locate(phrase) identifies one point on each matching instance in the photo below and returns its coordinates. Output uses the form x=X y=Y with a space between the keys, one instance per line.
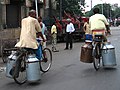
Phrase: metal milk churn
x=10 y=63
x=33 y=68
x=86 y=53
x=108 y=55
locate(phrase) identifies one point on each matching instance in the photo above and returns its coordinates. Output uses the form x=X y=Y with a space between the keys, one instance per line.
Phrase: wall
x=0 y=16
x=8 y=37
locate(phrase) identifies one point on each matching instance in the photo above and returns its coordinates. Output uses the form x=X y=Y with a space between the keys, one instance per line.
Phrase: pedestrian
x=54 y=37
x=88 y=32
x=44 y=30
x=69 y=38
x=99 y=24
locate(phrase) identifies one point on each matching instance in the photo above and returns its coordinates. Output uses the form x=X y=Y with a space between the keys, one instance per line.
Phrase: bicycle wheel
x=46 y=62
x=19 y=74
x=96 y=56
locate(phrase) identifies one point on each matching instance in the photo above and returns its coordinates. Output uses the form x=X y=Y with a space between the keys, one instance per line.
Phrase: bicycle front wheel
x=46 y=62
x=19 y=74
x=96 y=56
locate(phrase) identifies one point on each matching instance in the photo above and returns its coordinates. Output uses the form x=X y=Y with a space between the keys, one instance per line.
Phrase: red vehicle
x=78 y=24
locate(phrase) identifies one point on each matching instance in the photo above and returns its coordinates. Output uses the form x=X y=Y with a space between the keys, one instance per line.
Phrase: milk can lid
x=32 y=58
x=108 y=45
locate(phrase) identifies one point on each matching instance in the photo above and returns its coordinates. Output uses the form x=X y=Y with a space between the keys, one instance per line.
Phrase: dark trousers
x=69 y=40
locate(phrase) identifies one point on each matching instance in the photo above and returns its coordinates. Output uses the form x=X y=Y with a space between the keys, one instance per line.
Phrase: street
x=69 y=73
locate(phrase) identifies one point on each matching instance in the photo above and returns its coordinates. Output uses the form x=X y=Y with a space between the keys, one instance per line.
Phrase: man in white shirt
x=69 y=29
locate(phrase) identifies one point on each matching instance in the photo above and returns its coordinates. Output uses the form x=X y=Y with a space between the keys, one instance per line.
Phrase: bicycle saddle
x=98 y=38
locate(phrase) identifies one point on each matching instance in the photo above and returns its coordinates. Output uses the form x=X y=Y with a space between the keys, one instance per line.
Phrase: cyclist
x=99 y=24
x=30 y=26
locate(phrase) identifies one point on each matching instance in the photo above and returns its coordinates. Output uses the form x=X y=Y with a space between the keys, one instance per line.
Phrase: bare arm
x=39 y=31
x=40 y=34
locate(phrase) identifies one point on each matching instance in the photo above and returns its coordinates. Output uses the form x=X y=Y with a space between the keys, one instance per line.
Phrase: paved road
x=68 y=73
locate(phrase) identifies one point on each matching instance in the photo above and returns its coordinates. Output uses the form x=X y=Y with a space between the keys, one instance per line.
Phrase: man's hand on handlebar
x=40 y=34
x=108 y=32
x=44 y=40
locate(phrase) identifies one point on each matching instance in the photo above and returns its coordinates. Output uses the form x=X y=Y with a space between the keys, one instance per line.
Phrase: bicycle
x=18 y=71
x=6 y=47
x=97 y=50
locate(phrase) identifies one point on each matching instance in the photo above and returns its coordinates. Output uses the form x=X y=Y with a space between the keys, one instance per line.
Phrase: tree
x=110 y=11
x=72 y=6
x=117 y=12
x=104 y=9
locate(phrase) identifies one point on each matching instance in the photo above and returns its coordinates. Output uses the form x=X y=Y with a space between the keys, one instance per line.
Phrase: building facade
x=11 y=14
x=13 y=11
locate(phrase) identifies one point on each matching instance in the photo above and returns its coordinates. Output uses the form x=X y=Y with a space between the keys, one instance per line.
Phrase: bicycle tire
x=46 y=65
x=22 y=77
x=96 y=56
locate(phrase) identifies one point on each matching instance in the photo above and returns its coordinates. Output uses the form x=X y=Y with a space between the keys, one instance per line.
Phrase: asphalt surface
x=68 y=73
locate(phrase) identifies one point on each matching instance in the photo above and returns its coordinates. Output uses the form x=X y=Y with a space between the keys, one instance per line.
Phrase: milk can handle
x=26 y=62
x=106 y=50
x=11 y=58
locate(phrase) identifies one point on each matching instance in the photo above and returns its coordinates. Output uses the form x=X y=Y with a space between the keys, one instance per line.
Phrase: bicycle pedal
x=44 y=60
x=22 y=69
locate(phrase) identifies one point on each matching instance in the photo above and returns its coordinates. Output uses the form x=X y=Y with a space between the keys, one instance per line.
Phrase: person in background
x=99 y=24
x=54 y=37
x=88 y=32
x=44 y=30
x=69 y=30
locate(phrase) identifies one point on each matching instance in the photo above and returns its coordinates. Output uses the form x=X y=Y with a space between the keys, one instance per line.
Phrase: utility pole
x=50 y=10
x=60 y=9
x=102 y=6
x=91 y=4
x=36 y=6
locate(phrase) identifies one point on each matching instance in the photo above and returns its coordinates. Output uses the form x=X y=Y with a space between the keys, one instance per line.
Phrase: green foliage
x=117 y=12
x=71 y=6
x=88 y=14
x=107 y=10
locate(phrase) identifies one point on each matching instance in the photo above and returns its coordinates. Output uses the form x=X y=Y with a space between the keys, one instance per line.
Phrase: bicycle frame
x=19 y=66
x=97 y=47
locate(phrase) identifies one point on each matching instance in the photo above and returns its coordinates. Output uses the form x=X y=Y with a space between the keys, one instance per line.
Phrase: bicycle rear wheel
x=46 y=62
x=19 y=74
x=96 y=56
